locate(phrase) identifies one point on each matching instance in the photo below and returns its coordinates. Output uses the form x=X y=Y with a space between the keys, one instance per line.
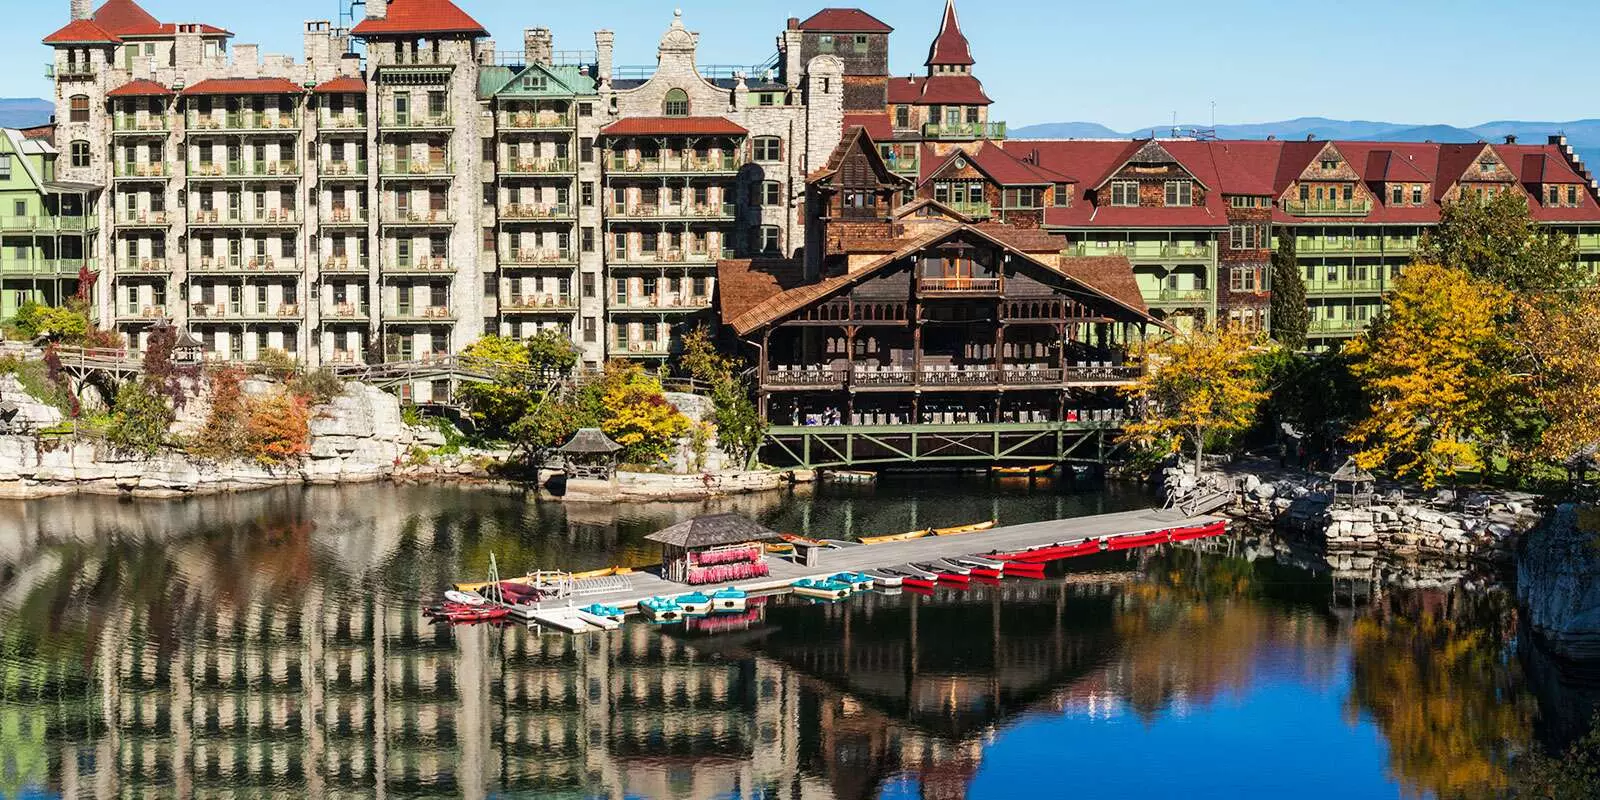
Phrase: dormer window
x=1180 y=193
x=1555 y=196
x=1125 y=193
x=1572 y=196
x=1330 y=164
x=1397 y=195
x=676 y=103
x=1416 y=195
x=1487 y=165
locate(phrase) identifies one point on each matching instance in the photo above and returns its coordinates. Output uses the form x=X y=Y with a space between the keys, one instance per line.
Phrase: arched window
x=80 y=153
x=80 y=108
x=677 y=103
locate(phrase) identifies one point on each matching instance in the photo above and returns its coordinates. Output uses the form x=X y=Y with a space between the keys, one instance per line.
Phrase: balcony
x=420 y=314
x=48 y=224
x=1338 y=326
x=669 y=165
x=242 y=122
x=344 y=218
x=538 y=258
x=69 y=71
x=535 y=120
x=1144 y=251
x=66 y=267
x=977 y=210
x=140 y=123
x=536 y=212
x=720 y=212
x=1346 y=286
x=346 y=358
x=638 y=349
x=343 y=169
x=356 y=122
x=662 y=303
x=159 y=169
x=959 y=286
x=228 y=311
x=1328 y=208
x=427 y=218
x=417 y=122
x=264 y=218
x=151 y=312
x=964 y=130
x=345 y=264
x=952 y=376
x=538 y=303
x=243 y=169
x=233 y=265
x=1179 y=296
x=344 y=311
x=418 y=266
x=132 y=266
x=535 y=166
x=144 y=219
x=415 y=169
x=668 y=257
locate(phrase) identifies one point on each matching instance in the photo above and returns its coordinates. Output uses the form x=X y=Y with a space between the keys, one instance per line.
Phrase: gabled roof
x=1387 y=166
x=344 y=84
x=950 y=46
x=1151 y=151
x=1005 y=169
x=938 y=90
x=140 y=87
x=557 y=81
x=244 y=86
x=126 y=18
x=712 y=530
x=744 y=283
x=664 y=126
x=409 y=17
x=876 y=124
x=82 y=31
x=857 y=139
x=844 y=20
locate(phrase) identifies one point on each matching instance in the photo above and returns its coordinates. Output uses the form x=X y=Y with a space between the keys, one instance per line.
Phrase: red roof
x=82 y=31
x=1002 y=167
x=938 y=90
x=245 y=86
x=344 y=84
x=654 y=126
x=420 y=16
x=844 y=20
x=950 y=46
x=876 y=125
x=126 y=18
x=140 y=88
x=171 y=29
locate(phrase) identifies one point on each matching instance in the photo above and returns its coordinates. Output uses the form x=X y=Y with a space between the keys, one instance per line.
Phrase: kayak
x=960 y=529
x=464 y=598
x=1036 y=469
x=896 y=537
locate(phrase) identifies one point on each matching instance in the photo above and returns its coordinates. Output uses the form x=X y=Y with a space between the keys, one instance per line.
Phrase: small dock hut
x=590 y=455
x=1353 y=484
x=715 y=548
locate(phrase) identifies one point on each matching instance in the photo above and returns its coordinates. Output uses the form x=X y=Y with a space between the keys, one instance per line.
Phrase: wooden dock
x=627 y=591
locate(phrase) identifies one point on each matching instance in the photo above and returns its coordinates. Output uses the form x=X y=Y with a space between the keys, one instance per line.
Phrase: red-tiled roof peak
x=140 y=87
x=950 y=46
x=126 y=18
x=344 y=84
x=667 y=126
x=82 y=31
x=245 y=86
x=844 y=20
x=410 y=17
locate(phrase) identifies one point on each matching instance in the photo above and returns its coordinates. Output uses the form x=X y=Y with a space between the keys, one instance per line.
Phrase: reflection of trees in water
x=1431 y=667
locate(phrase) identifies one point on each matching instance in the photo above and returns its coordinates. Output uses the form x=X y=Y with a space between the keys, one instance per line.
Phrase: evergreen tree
x=1290 y=317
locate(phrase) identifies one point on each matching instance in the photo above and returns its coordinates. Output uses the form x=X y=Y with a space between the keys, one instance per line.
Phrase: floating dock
x=1129 y=528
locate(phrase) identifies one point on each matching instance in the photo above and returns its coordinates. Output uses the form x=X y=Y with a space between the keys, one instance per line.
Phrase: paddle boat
x=1028 y=472
x=661 y=609
x=729 y=600
x=855 y=580
x=694 y=604
x=820 y=589
x=883 y=579
x=600 y=610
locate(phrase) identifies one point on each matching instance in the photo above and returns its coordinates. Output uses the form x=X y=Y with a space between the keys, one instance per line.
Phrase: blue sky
x=1123 y=64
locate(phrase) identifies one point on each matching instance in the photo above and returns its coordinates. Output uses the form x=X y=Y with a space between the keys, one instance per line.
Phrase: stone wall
x=1558 y=582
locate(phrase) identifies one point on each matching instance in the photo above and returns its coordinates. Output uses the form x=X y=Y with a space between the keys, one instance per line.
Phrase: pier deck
x=643 y=585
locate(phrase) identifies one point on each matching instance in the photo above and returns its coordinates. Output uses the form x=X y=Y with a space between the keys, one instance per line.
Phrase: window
x=769 y=239
x=436 y=105
x=1305 y=192
x=1023 y=197
x=861 y=43
x=586 y=237
x=80 y=153
x=588 y=284
x=1555 y=196
x=1180 y=193
x=1063 y=195
x=1572 y=196
x=402 y=108
x=766 y=98
x=1416 y=195
x=676 y=104
x=902 y=117
x=771 y=194
x=768 y=148
x=1487 y=165
x=1249 y=236
x=1349 y=193
x=1125 y=193
x=619 y=291
x=588 y=329
x=586 y=149
x=1330 y=164
x=1398 y=195
x=825 y=43
x=79 y=108
x=1245 y=279
x=5 y=165
x=586 y=193
x=586 y=109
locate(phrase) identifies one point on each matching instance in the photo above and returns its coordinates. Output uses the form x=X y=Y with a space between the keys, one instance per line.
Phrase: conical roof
x=589 y=441
x=950 y=46
x=713 y=530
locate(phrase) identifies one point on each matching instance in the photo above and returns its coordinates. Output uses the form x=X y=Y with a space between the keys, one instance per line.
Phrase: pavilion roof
x=713 y=530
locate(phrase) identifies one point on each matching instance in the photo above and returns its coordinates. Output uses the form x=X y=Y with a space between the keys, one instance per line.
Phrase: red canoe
x=1055 y=552
x=954 y=579
x=1132 y=540
x=1199 y=531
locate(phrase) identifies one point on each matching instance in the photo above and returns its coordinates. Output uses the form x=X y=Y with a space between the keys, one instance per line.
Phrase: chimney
x=377 y=9
x=80 y=9
x=1511 y=138
x=1311 y=137
x=794 y=23
x=1272 y=137
x=603 y=42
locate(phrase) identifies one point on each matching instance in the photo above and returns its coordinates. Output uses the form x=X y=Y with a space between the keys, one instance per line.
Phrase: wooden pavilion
x=714 y=548
x=590 y=455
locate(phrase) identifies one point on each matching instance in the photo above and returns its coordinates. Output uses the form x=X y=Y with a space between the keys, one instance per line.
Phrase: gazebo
x=714 y=548
x=1353 y=482
x=590 y=455
x=188 y=348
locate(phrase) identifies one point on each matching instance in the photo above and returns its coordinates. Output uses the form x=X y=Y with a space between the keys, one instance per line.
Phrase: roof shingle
x=844 y=20
x=244 y=86
x=140 y=87
x=405 y=17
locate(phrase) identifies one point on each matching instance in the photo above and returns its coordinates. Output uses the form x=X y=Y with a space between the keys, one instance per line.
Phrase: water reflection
x=271 y=643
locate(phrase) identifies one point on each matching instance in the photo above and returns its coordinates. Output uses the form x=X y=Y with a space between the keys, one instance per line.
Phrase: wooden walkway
x=643 y=585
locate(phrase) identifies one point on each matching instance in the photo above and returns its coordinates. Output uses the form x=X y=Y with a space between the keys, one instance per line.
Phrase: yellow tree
x=1196 y=386
x=1557 y=336
x=637 y=415
x=1434 y=369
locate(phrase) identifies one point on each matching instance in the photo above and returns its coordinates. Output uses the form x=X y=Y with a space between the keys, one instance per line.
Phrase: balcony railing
x=135 y=265
x=964 y=130
x=66 y=71
x=344 y=264
x=638 y=348
x=1345 y=286
x=158 y=169
x=253 y=311
x=535 y=211
x=417 y=121
x=144 y=312
x=664 y=302
x=432 y=216
x=539 y=302
x=344 y=310
x=1142 y=250
x=687 y=211
x=671 y=164
x=137 y=218
x=412 y=313
x=418 y=167
x=972 y=209
x=243 y=264
x=136 y=123
x=959 y=285
x=1165 y=295
x=1007 y=375
x=536 y=166
x=244 y=169
x=46 y=266
x=344 y=216
x=243 y=121
x=271 y=216
x=346 y=121
x=1328 y=208
x=535 y=120
x=419 y=265
x=537 y=257
x=659 y=257
x=356 y=168
x=1338 y=325
x=49 y=224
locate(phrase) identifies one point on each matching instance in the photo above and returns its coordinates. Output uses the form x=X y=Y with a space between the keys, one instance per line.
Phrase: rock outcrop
x=1558 y=582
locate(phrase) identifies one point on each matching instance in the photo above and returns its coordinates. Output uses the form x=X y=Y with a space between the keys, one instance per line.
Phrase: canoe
x=795 y=538
x=694 y=604
x=850 y=476
x=464 y=598
x=729 y=600
x=473 y=614
x=1024 y=569
x=1132 y=540
x=1036 y=469
x=960 y=529
x=992 y=571
x=896 y=537
x=955 y=579
x=1053 y=552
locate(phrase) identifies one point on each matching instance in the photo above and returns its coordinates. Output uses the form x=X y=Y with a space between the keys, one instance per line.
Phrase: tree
x=222 y=436
x=1433 y=368
x=1195 y=387
x=523 y=372
x=34 y=319
x=277 y=427
x=740 y=428
x=551 y=352
x=638 y=416
x=1496 y=240
x=140 y=419
x=1575 y=775
x=1556 y=342
x=1290 y=317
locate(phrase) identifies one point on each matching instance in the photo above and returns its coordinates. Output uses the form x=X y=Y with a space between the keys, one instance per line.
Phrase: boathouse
x=714 y=548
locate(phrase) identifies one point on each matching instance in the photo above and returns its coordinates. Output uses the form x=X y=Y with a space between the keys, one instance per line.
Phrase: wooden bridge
x=845 y=446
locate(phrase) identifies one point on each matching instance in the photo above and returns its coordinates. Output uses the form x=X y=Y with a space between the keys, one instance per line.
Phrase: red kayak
x=1199 y=531
x=917 y=583
x=1054 y=552
x=476 y=614
x=1025 y=569
x=954 y=579
x=1132 y=540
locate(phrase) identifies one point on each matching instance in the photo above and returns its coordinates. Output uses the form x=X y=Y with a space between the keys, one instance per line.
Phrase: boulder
x=1558 y=581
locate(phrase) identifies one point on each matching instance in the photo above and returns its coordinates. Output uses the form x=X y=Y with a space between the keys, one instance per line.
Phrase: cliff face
x=359 y=436
x=1558 y=581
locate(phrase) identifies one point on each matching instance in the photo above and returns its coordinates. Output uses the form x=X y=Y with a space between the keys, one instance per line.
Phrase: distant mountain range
x=1583 y=134
x=25 y=112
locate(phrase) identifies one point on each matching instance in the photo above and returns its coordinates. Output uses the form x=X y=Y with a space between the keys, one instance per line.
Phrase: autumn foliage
x=269 y=429
x=1196 y=387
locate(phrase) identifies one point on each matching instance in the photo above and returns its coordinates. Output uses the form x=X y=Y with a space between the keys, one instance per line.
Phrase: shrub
x=139 y=421
x=222 y=437
x=35 y=379
x=275 y=363
x=277 y=427
x=411 y=415
x=318 y=387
